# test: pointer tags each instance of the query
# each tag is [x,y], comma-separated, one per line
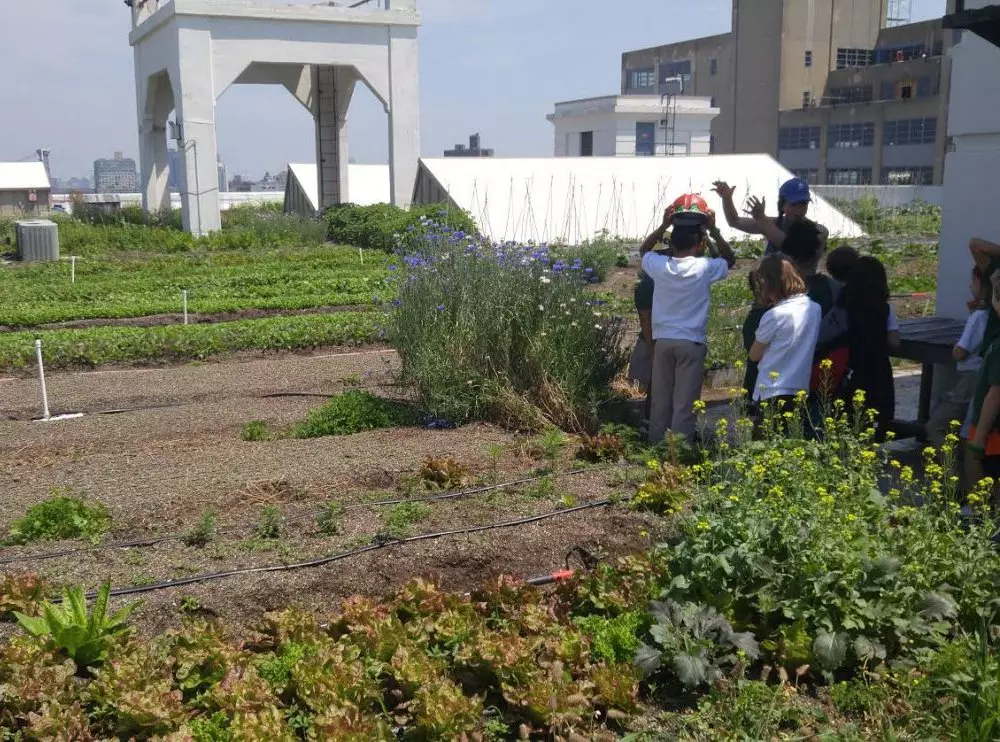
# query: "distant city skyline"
[485,66]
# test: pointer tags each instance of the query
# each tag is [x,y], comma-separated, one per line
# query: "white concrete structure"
[188,52]
[571,199]
[24,188]
[627,126]
[970,173]
[369,184]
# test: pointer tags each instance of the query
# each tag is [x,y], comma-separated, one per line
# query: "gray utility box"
[37,240]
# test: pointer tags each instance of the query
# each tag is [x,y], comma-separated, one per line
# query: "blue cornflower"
[440,307]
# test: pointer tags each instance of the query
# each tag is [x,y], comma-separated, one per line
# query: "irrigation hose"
[142,543]
[322,561]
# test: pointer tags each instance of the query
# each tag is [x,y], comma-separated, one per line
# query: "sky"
[490,66]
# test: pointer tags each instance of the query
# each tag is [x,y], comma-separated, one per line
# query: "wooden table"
[929,341]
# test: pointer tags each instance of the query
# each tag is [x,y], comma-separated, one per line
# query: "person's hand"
[973,467]
[711,221]
[668,216]
[723,189]
[757,207]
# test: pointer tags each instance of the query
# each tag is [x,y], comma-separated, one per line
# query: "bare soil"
[161,447]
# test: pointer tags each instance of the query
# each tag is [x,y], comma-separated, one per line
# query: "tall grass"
[504,333]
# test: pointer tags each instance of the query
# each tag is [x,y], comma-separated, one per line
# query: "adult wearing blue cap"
[793,206]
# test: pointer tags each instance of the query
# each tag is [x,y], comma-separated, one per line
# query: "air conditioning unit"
[37,240]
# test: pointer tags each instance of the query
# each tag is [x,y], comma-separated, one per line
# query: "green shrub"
[399,521]
[596,257]
[269,524]
[387,227]
[60,517]
[255,430]
[202,532]
[353,411]
[328,517]
[914,218]
[503,334]
[612,639]
[85,639]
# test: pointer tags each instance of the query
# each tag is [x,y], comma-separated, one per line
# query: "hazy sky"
[493,66]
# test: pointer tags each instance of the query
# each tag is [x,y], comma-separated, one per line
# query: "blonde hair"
[778,279]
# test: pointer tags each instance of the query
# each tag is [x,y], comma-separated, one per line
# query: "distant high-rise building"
[117,175]
[473,150]
[223,181]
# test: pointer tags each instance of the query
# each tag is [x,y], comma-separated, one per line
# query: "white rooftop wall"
[23,176]
[571,199]
[367,184]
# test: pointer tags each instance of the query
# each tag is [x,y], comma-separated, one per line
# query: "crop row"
[36,294]
[100,345]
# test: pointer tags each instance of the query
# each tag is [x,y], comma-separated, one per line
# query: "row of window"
[923,176]
[861,134]
[852,58]
[647,78]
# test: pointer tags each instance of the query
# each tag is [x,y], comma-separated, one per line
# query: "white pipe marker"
[72,269]
[185,306]
[41,378]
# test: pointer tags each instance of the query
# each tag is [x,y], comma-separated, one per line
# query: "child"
[968,354]
[840,263]
[982,453]
[681,295]
[869,339]
[786,338]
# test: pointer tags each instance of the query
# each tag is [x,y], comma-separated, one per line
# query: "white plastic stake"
[41,378]
[185,306]
[72,269]
[361,255]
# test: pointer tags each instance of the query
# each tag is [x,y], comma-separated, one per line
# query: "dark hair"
[686,237]
[985,296]
[781,206]
[867,286]
[778,278]
[803,243]
[841,262]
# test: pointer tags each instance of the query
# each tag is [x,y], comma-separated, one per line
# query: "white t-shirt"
[790,330]
[972,340]
[681,295]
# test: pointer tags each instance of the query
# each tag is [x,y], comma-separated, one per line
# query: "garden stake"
[41,378]
[361,255]
[185,300]
[72,269]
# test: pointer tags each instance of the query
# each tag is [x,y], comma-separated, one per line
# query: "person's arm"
[724,248]
[895,340]
[983,252]
[656,237]
[757,350]
[765,225]
[987,417]
[733,218]
[646,325]
[959,353]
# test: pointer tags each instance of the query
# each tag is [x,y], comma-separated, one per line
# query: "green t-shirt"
[992,331]
[989,375]
[644,293]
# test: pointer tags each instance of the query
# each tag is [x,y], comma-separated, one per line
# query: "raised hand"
[757,207]
[722,188]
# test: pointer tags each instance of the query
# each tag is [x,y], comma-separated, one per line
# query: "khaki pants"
[678,375]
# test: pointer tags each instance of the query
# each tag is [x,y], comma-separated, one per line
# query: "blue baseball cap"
[795,191]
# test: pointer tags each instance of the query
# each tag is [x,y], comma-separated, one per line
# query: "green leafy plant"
[695,642]
[353,411]
[399,521]
[600,448]
[60,517]
[202,532]
[665,490]
[329,516]
[84,638]
[613,639]
[386,227]
[22,594]
[255,430]
[269,523]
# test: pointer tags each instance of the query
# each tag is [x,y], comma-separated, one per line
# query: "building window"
[856,94]
[924,87]
[846,136]
[891,54]
[641,79]
[676,69]
[910,131]
[586,144]
[849,176]
[809,58]
[851,58]
[798,137]
[645,138]
[713,67]
[806,99]
[887,91]
[810,176]
[922,176]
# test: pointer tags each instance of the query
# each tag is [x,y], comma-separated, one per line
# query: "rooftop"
[635,104]
[23,176]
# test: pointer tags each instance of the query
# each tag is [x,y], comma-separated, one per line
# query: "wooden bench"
[929,341]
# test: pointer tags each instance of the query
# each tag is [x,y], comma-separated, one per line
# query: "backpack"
[831,345]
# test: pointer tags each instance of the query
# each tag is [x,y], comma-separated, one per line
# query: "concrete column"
[404,114]
[334,88]
[154,99]
[195,99]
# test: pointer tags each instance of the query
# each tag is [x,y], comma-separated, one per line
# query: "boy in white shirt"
[681,296]
[968,354]
[786,337]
